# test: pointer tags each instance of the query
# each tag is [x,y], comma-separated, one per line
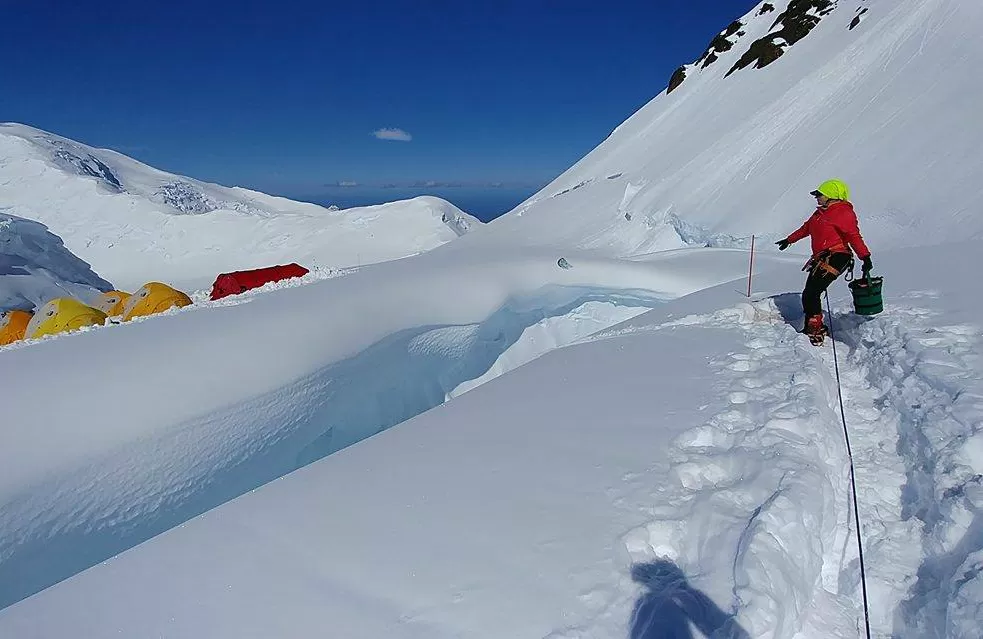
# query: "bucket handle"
[865,280]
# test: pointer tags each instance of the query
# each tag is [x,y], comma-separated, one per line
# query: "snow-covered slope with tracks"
[888,106]
[213,400]
[684,469]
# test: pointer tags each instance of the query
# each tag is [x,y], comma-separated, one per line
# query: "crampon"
[815,330]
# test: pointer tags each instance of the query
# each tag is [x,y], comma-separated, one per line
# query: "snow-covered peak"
[135,223]
[795,92]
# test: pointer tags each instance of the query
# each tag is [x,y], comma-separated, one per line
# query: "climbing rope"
[853,478]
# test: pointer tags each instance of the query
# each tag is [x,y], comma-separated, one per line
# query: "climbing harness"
[820,262]
[853,477]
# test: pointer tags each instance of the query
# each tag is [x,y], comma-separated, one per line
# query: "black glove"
[782,244]
[868,266]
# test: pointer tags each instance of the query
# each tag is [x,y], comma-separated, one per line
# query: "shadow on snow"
[670,608]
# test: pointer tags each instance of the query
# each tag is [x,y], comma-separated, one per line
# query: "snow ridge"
[59,527]
[738,156]
[136,224]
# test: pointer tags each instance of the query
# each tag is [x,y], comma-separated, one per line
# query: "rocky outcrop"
[857,19]
[721,43]
[677,79]
[792,25]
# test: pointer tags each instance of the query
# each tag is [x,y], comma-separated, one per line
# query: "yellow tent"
[13,325]
[112,303]
[153,297]
[63,314]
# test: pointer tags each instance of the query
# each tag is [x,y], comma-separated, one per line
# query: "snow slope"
[210,402]
[135,224]
[888,106]
[35,267]
[687,466]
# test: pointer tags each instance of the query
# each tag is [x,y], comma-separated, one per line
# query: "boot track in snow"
[772,472]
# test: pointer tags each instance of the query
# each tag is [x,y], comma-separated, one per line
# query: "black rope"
[853,478]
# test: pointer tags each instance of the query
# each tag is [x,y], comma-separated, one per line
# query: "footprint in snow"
[705,437]
[742,366]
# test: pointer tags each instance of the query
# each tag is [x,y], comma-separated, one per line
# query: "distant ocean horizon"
[485,203]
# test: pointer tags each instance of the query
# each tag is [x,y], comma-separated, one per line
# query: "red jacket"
[833,228]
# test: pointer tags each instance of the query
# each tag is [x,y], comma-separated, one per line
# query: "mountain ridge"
[134,223]
[737,156]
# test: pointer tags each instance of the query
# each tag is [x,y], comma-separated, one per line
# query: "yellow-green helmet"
[833,189]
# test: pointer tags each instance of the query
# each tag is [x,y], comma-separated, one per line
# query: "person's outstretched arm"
[802,232]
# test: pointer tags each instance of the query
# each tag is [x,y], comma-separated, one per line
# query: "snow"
[887,107]
[550,333]
[201,422]
[35,266]
[136,224]
[702,437]
[479,442]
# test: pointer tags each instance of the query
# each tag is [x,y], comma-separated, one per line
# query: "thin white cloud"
[397,135]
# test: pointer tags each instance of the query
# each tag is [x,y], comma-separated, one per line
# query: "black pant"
[819,280]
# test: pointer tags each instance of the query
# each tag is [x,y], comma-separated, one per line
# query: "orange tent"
[13,326]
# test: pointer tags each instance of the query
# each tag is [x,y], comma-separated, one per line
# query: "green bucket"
[867,298]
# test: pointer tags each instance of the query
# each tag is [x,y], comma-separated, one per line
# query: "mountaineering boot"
[815,329]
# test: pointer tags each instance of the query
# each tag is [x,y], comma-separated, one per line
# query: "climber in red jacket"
[834,230]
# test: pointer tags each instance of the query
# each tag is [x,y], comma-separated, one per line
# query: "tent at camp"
[61,315]
[13,326]
[240,281]
[112,303]
[152,298]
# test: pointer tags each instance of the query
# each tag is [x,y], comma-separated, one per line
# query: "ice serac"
[885,105]
[135,223]
[35,266]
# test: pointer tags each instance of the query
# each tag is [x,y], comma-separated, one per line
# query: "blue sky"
[284,96]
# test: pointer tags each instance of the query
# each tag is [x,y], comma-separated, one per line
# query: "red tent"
[239,281]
